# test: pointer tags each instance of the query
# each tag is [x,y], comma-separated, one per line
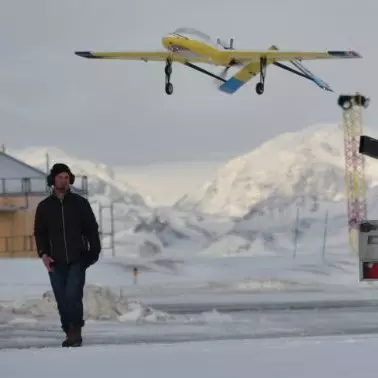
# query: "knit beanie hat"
[59,168]
[56,170]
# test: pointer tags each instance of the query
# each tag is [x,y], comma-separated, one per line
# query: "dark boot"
[66,342]
[74,338]
[77,339]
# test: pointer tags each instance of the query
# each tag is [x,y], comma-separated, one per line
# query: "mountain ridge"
[307,163]
[101,178]
[248,207]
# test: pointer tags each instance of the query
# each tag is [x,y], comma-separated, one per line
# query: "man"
[67,239]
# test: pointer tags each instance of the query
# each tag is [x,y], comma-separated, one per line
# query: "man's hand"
[48,261]
[90,258]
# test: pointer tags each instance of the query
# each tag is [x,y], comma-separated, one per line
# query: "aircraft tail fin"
[240,78]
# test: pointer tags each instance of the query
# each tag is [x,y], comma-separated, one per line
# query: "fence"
[35,186]
[17,246]
[297,231]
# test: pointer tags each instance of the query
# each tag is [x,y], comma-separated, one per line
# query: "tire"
[169,88]
[259,88]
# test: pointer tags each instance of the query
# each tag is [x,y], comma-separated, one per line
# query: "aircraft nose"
[168,40]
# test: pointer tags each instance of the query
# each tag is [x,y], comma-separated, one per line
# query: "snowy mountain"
[101,178]
[268,201]
[305,166]
[304,228]
[163,183]
[139,230]
[287,196]
[280,233]
[170,233]
[104,189]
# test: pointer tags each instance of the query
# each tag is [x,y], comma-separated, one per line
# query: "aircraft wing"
[247,56]
[146,56]
[306,72]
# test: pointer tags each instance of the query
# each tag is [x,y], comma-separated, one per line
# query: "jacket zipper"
[64,231]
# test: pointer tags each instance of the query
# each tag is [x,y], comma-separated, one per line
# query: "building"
[22,187]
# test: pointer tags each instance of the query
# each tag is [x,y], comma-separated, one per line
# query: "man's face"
[62,180]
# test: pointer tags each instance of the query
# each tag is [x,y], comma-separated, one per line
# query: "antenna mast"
[352,125]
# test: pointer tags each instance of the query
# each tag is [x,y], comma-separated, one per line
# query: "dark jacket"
[67,229]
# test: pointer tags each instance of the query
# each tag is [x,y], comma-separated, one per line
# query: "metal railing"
[36,186]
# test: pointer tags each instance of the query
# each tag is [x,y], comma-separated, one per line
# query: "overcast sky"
[117,112]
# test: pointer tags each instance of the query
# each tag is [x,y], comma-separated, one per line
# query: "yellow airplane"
[188,46]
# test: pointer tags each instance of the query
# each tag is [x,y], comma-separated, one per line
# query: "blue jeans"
[67,282]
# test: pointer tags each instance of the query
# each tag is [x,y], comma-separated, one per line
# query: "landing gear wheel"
[169,88]
[168,73]
[260,85]
[259,88]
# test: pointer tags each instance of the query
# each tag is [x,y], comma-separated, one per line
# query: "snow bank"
[100,303]
[137,313]
[214,317]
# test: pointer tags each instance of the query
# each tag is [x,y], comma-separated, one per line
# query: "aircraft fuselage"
[191,48]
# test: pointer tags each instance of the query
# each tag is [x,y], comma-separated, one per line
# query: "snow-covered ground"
[222,316]
[168,287]
[346,357]
[226,275]
[163,276]
[308,316]
[289,307]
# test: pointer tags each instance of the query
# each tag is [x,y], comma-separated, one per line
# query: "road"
[260,301]
[187,324]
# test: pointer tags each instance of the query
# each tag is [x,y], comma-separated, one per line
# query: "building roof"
[13,170]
